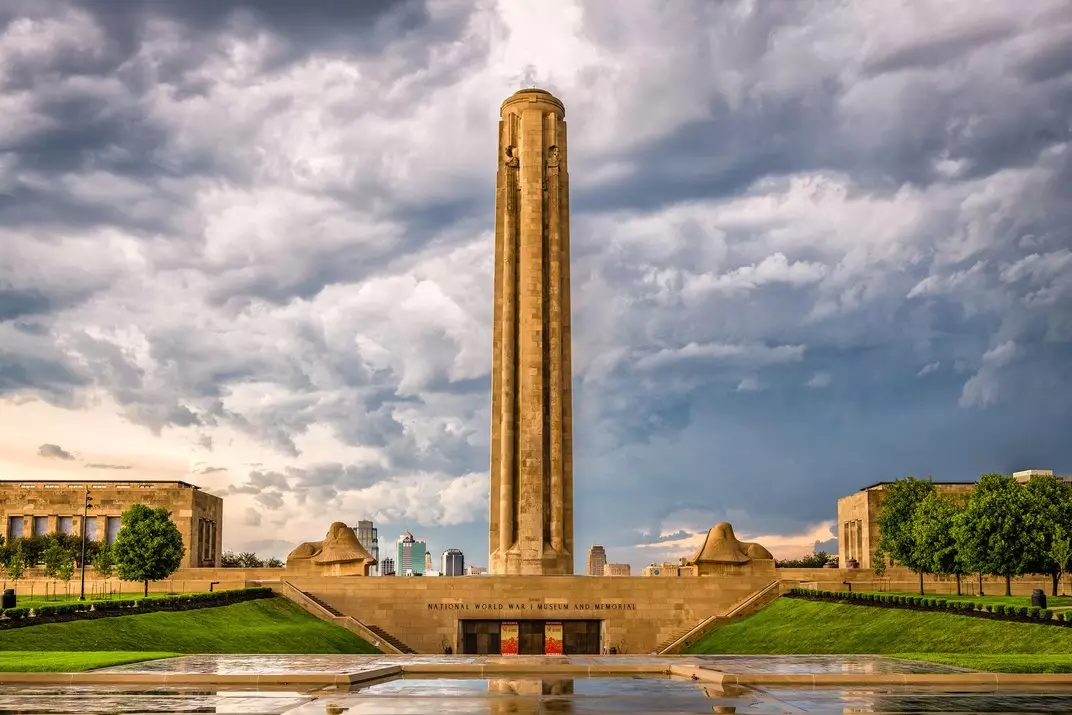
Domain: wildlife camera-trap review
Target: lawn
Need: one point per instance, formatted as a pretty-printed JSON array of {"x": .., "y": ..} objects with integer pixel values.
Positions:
[
  {"x": 21, "y": 661},
  {"x": 269, "y": 625},
  {"x": 797, "y": 626}
]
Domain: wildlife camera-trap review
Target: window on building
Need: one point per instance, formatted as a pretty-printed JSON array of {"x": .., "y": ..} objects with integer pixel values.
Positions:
[
  {"x": 40, "y": 526},
  {"x": 65, "y": 525},
  {"x": 114, "y": 522},
  {"x": 15, "y": 526},
  {"x": 91, "y": 528}
]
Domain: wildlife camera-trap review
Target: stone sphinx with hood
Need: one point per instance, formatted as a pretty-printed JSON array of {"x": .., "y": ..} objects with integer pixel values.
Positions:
[
  {"x": 339, "y": 554},
  {"x": 722, "y": 554}
]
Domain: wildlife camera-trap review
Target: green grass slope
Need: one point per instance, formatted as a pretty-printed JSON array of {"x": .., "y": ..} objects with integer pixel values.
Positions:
[
  {"x": 796, "y": 626},
  {"x": 272, "y": 625}
]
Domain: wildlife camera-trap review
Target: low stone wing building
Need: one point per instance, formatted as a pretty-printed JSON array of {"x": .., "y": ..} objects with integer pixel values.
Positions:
[{"x": 39, "y": 508}]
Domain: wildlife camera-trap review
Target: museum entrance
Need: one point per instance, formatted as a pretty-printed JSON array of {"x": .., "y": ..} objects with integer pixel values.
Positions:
[{"x": 529, "y": 637}]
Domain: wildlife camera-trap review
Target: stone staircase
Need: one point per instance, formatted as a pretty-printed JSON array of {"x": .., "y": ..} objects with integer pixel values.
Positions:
[
  {"x": 326, "y": 612},
  {"x": 674, "y": 637},
  {"x": 387, "y": 637},
  {"x": 687, "y": 636},
  {"x": 325, "y": 605}
]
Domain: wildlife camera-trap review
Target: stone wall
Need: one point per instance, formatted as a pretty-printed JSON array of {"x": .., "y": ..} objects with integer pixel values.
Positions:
[
  {"x": 185, "y": 580},
  {"x": 901, "y": 579},
  {"x": 637, "y": 613}
]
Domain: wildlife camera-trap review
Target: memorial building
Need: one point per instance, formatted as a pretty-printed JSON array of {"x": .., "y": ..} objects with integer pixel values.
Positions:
[
  {"x": 40, "y": 508},
  {"x": 531, "y": 602}
]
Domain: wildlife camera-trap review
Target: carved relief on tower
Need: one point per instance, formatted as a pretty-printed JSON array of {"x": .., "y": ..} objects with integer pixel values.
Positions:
[
  {"x": 511, "y": 157},
  {"x": 552, "y": 157}
]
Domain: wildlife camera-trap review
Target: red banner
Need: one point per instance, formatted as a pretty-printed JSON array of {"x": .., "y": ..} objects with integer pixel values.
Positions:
[
  {"x": 552, "y": 639},
  {"x": 508, "y": 638}
]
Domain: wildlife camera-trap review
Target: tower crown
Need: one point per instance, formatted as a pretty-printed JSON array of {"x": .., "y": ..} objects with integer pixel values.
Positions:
[{"x": 533, "y": 98}]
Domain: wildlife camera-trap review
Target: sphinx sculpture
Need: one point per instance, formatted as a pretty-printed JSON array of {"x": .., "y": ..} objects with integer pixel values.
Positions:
[
  {"x": 722, "y": 553},
  {"x": 339, "y": 554}
]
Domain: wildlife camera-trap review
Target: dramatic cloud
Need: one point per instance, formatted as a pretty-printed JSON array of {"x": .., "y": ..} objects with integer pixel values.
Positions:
[{"x": 249, "y": 245}]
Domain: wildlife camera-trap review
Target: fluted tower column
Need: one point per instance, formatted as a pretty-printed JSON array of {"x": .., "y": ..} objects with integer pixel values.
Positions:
[{"x": 532, "y": 390}]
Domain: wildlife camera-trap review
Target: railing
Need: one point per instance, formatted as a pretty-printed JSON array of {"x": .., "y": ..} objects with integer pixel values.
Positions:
[
  {"x": 313, "y": 606},
  {"x": 705, "y": 625}
]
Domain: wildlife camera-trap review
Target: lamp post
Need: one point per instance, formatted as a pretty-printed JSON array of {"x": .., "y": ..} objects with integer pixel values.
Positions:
[{"x": 85, "y": 511}]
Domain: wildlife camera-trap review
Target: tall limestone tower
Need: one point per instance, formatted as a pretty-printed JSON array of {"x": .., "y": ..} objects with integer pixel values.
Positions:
[{"x": 531, "y": 384}]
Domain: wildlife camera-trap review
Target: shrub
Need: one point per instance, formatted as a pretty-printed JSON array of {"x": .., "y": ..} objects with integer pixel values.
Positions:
[
  {"x": 1034, "y": 612},
  {"x": 1023, "y": 612},
  {"x": 1046, "y": 614},
  {"x": 999, "y": 609},
  {"x": 17, "y": 613}
]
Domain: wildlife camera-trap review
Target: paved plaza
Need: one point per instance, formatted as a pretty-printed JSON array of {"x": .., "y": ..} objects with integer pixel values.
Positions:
[{"x": 624, "y": 684}]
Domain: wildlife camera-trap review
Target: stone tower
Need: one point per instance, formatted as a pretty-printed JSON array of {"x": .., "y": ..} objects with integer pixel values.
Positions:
[{"x": 532, "y": 391}]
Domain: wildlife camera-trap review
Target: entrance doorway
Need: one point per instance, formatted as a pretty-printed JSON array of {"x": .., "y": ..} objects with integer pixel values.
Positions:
[{"x": 529, "y": 637}]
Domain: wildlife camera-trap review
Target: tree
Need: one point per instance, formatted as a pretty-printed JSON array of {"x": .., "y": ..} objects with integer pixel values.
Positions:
[
  {"x": 936, "y": 547},
  {"x": 1061, "y": 552},
  {"x": 273, "y": 563},
  {"x": 995, "y": 533},
  {"x": 58, "y": 562},
  {"x": 104, "y": 563},
  {"x": 16, "y": 564},
  {"x": 148, "y": 547},
  {"x": 229, "y": 560},
  {"x": 1050, "y": 511},
  {"x": 897, "y": 539},
  {"x": 816, "y": 561},
  {"x": 249, "y": 560}
]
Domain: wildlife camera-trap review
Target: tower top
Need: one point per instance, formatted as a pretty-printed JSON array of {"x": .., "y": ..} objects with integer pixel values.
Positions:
[{"x": 533, "y": 95}]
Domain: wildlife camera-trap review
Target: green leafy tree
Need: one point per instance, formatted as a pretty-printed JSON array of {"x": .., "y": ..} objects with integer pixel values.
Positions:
[
  {"x": 897, "y": 538},
  {"x": 1050, "y": 511},
  {"x": 995, "y": 533},
  {"x": 104, "y": 564},
  {"x": 815, "y": 561},
  {"x": 935, "y": 544},
  {"x": 16, "y": 564},
  {"x": 58, "y": 562},
  {"x": 1061, "y": 551},
  {"x": 273, "y": 563},
  {"x": 249, "y": 560},
  {"x": 229, "y": 560},
  {"x": 148, "y": 547}
]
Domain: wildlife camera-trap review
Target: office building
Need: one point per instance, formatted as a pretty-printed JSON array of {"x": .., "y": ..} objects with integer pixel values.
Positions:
[
  {"x": 597, "y": 559},
  {"x": 477, "y": 571},
  {"x": 368, "y": 536},
  {"x": 453, "y": 563},
  {"x": 411, "y": 556},
  {"x": 617, "y": 570},
  {"x": 387, "y": 567}
]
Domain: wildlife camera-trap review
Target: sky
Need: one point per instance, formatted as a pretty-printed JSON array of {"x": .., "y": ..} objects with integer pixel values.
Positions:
[{"x": 816, "y": 245}]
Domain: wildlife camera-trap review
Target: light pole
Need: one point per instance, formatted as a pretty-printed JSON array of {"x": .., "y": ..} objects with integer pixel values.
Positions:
[{"x": 85, "y": 511}]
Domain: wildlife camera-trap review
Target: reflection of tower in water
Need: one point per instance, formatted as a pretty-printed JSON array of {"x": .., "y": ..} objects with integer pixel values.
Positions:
[{"x": 524, "y": 691}]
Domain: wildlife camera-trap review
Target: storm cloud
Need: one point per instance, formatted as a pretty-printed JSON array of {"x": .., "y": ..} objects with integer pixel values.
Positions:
[{"x": 815, "y": 245}]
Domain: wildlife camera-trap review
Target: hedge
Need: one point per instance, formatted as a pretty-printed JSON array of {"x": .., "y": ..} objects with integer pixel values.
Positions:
[
  {"x": 998, "y": 610},
  {"x": 144, "y": 605}
]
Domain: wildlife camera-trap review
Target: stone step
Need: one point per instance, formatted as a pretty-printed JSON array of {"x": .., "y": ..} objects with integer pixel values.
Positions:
[{"x": 390, "y": 639}]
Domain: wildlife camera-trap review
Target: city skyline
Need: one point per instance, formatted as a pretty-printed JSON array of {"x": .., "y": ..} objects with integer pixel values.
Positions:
[{"x": 257, "y": 256}]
